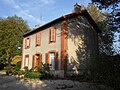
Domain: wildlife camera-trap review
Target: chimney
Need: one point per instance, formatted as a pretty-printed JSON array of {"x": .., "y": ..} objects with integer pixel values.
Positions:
[
  {"x": 37, "y": 26},
  {"x": 77, "y": 8}
]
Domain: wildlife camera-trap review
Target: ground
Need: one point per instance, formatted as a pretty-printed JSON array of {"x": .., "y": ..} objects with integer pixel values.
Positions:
[{"x": 12, "y": 83}]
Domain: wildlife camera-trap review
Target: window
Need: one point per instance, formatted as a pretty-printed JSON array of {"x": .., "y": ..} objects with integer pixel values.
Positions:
[
  {"x": 26, "y": 62},
  {"x": 27, "y": 42},
  {"x": 38, "y": 39},
  {"x": 52, "y": 60},
  {"x": 52, "y": 34}
]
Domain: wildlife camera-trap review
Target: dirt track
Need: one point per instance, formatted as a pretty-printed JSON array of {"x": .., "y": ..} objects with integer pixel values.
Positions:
[{"x": 11, "y": 83}]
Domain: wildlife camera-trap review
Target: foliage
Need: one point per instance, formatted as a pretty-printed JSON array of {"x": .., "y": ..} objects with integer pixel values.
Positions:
[
  {"x": 18, "y": 65},
  {"x": 11, "y": 31},
  {"x": 106, "y": 3},
  {"x": 113, "y": 20},
  {"x": 105, "y": 69},
  {"x": 106, "y": 37},
  {"x": 1, "y": 66},
  {"x": 16, "y": 70},
  {"x": 43, "y": 70},
  {"x": 16, "y": 59},
  {"x": 29, "y": 74},
  {"x": 96, "y": 14},
  {"x": 8, "y": 68}
]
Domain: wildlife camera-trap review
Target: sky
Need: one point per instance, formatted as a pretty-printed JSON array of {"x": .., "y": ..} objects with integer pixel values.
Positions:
[{"x": 38, "y": 11}]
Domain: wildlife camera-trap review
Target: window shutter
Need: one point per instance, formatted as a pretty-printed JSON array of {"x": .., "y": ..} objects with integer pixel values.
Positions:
[
  {"x": 52, "y": 34},
  {"x": 52, "y": 31},
  {"x": 47, "y": 58},
  {"x": 33, "y": 61},
  {"x": 56, "y": 61},
  {"x": 28, "y": 42},
  {"x": 25, "y": 62},
  {"x": 40, "y": 60},
  {"x": 38, "y": 39},
  {"x": 25, "y": 43}
]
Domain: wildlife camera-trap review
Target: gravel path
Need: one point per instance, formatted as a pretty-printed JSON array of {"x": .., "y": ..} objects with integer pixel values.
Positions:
[{"x": 11, "y": 83}]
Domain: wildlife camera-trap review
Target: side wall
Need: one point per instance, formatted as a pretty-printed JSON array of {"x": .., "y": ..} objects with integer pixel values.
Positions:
[{"x": 82, "y": 45}]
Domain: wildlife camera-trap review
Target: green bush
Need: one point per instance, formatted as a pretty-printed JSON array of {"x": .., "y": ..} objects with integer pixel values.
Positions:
[
  {"x": 106, "y": 69},
  {"x": 18, "y": 72},
  {"x": 18, "y": 66},
  {"x": 29, "y": 74}
]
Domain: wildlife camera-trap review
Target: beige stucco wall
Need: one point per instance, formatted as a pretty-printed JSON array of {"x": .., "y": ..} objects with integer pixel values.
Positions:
[
  {"x": 44, "y": 47},
  {"x": 82, "y": 45}
]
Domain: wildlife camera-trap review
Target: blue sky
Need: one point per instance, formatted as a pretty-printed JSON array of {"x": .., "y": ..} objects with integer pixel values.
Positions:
[{"x": 38, "y": 11}]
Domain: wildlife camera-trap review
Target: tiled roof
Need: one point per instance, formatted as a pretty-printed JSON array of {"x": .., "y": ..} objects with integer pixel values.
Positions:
[{"x": 66, "y": 17}]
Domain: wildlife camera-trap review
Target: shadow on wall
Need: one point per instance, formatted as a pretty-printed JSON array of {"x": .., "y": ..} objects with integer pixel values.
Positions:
[{"x": 83, "y": 36}]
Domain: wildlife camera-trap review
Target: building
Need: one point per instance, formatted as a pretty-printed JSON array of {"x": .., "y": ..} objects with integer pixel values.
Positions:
[{"x": 67, "y": 44}]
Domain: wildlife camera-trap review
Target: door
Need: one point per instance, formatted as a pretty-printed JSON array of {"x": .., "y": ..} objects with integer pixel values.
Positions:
[
  {"x": 37, "y": 60},
  {"x": 52, "y": 61}
]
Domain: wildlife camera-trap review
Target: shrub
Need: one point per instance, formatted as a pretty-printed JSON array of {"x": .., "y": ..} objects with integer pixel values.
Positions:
[
  {"x": 17, "y": 66},
  {"x": 2, "y": 66},
  {"x": 8, "y": 69},
  {"x": 29, "y": 74},
  {"x": 106, "y": 70},
  {"x": 35, "y": 69}
]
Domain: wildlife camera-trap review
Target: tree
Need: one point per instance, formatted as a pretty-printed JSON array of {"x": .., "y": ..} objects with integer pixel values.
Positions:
[
  {"x": 106, "y": 37},
  {"x": 96, "y": 14},
  {"x": 11, "y": 31},
  {"x": 109, "y": 75},
  {"x": 113, "y": 19},
  {"x": 106, "y": 3}
]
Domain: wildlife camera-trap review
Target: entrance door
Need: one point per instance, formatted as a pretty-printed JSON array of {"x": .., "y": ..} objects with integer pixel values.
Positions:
[
  {"x": 36, "y": 60},
  {"x": 52, "y": 61}
]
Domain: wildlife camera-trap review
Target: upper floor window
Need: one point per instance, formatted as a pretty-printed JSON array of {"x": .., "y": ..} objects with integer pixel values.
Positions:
[
  {"x": 38, "y": 39},
  {"x": 52, "y": 34},
  {"x": 27, "y": 42}
]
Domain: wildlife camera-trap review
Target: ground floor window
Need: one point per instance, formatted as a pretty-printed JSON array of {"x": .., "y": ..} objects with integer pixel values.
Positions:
[
  {"x": 26, "y": 63},
  {"x": 52, "y": 61}
]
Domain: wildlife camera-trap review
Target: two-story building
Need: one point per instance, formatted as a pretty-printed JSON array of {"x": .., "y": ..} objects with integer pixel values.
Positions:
[{"x": 67, "y": 44}]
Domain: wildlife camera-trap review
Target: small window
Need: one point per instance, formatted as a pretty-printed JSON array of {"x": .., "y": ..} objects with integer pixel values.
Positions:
[
  {"x": 27, "y": 42},
  {"x": 26, "y": 63},
  {"x": 52, "y": 34},
  {"x": 38, "y": 39}
]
